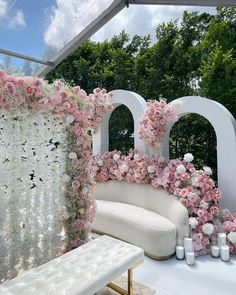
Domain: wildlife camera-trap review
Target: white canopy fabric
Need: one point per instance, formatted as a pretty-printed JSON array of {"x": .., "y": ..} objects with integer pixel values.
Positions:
[{"x": 106, "y": 13}]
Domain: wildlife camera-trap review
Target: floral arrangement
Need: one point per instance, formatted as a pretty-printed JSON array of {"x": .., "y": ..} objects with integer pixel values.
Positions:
[
  {"x": 194, "y": 188},
  {"x": 153, "y": 124},
  {"x": 78, "y": 113}
]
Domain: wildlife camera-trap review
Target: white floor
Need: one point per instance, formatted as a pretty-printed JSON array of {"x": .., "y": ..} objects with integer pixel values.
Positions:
[{"x": 208, "y": 276}]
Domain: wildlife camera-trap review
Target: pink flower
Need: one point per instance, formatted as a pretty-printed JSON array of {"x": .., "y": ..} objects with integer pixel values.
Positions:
[
  {"x": 11, "y": 89},
  {"x": 184, "y": 192}
]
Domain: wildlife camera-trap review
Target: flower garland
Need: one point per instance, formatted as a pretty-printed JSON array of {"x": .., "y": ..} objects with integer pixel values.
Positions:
[
  {"x": 153, "y": 124},
  {"x": 80, "y": 113},
  {"x": 194, "y": 188}
]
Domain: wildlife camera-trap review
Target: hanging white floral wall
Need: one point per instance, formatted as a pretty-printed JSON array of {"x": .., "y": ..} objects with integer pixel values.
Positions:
[{"x": 46, "y": 200}]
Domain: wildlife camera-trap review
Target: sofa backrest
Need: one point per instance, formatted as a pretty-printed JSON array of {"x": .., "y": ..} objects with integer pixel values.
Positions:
[
  {"x": 141, "y": 195},
  {"x": 145, "y": 196}
]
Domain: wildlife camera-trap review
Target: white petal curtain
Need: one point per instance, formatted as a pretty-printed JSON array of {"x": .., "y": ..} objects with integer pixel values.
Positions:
[{"x": 33, "y": 153}]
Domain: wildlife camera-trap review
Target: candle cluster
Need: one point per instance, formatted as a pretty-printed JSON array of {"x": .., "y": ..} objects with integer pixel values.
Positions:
[
  {"x": 221, "y": 249},
  {"x": 186, "y": 251}
]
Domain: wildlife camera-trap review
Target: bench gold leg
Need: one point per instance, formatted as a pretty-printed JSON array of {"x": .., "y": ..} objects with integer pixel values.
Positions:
[{"x": 130, "y": 282}]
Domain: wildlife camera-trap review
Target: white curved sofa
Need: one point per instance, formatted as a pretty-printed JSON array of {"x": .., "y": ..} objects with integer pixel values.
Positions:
[{"x": 141, "y": 215}]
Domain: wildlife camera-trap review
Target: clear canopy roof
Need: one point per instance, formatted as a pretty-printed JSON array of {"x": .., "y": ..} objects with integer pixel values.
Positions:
[{"x": 49, "y": 30}]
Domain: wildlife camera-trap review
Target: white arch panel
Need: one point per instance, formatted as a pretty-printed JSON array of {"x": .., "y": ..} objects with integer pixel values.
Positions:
[
  {"x": 137, "y": 106},
  {"x": 224, "y": 125}
]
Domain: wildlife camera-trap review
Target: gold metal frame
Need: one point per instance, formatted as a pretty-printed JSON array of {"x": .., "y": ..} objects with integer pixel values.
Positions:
[{"x": 130, "y": 282}]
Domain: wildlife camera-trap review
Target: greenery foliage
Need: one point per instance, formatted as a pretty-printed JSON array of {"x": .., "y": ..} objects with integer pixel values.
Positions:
[{"x": 196, "y": 56}]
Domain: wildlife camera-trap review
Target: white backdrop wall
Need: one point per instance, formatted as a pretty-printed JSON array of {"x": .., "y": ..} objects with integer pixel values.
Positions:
[{"x": 32, "y": 163}]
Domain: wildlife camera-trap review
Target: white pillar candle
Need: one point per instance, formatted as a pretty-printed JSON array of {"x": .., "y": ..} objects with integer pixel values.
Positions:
[
  {"x": 224, "y": 253},
  {"x": 188, "y": 245},
  {"x": 189, "y": 256},
  {"x": 215, "y": 251},
  {"x": 179, "y": 252},
  {"x": 221, "y": 239}
]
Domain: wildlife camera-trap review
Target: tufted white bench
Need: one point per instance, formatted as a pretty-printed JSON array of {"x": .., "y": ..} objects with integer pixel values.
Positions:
[
  {"x": 146, "y": 217},
  {"x": 83, "y": 271}
]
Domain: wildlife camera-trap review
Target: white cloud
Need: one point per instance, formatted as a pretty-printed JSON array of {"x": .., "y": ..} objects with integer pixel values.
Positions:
[
  {"x": 143, "y": 20},
  {"x": 3, "y": 8},
  {"x": 18, "y": 20},
  {"x": 69, "y": 17}
]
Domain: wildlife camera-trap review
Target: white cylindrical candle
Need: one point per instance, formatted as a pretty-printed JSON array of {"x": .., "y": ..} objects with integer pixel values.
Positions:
[
  {"x": 188, "y": 245},
  {"x": 179, "y": 252},
  {"x": 215, "y": 251},
  {"x": 224, "y": 253},
  {"x": 221, "y": 239},
  {"x": 189, "y": 256}
]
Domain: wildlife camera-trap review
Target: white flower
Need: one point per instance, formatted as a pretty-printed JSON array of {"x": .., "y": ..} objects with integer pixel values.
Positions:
[
  {"x": 232, "y": 237},
  {"x": 100, "y": 162},
  {"x": 85, "y": 190},
  {"x": 70, "y": 119},
  {"x": 193, "y": 222},
  {"x": 136, "y": 156},
  {"x": 124, "y": 168},
  {"x": 66, "y": 177},
  {"x": 150, "y": 169},
  {"x": 188, "y": 157},
  {"x": 195, "y": 181},
  {"x": 207, "y": 170},
  {"x": 116, "y": 157},
  {"x": 65, "y": 214},
  {"x": 208, "y": 229},
  {"x": 177, "y": 183},
  {"x": 81, "y": 211},
  {"x": 204, "y": 205},
  {"x": 72, "y": 156},
  {"x": 181, "y": 169}
]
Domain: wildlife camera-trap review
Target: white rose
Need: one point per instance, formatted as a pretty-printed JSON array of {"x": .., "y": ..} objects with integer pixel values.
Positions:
[
  {"x": 72, "y": 156},
  {"x": 66, "y": 177},
  {"x": 84, "y": 190},
  {"x": 124, "y": 168},
  {"x": 232, "y": 237},
  {"x": 181, "y": 169},
  {"x": 100, "y": 162},
  {"x": 195, "y": 181},
  {"x": 136, "y": 156},
  {"x": 193, "y": 222},
  {"x": 151, "y": 169},
  {"x": 207, "y": 170},
  {"x": 70, "y": 119},
  {"x": 81, "y": 211},
  {"x": 177, "y": 183},
  {"x": 208, "y": 229},
  {"x": 188, "y": 157},
  {"x": 204, "y": 205},
  {"x": 116, "y": 157}
]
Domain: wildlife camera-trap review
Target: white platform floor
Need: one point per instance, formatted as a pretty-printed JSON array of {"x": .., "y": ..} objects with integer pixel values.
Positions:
[{"x": 208, "y": 276}]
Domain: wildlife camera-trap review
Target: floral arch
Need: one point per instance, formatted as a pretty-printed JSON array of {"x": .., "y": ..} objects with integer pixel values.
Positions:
[
  {"x": 137, "y": 106},
  {"x": 224, "y": 125}
]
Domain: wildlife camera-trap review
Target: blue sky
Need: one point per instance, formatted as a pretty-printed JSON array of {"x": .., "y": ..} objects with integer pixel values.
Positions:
[{"x": 29, "y": 26}]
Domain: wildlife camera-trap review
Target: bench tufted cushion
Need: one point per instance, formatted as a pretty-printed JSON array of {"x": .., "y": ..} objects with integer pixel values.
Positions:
[
  {"x": 82, "y": 271},
  {"x": 149, "y": 230}
]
